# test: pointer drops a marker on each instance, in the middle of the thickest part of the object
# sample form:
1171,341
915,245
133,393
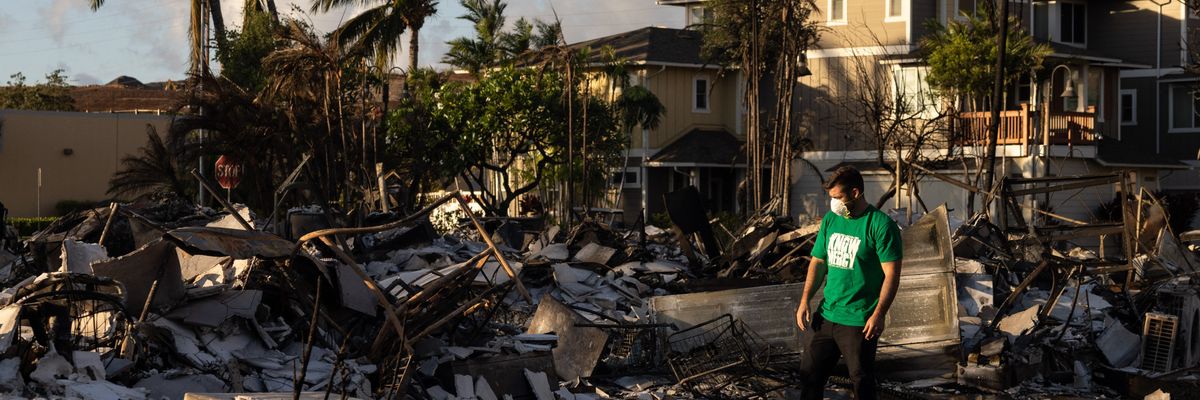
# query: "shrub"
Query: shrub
27,226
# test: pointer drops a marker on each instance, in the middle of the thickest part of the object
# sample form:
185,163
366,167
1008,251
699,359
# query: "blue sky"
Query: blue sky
147,39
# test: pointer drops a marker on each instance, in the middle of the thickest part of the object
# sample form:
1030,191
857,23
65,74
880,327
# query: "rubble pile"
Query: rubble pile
171,300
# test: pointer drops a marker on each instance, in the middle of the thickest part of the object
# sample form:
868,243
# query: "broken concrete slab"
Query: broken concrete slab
213,311
177,386
101,390
595,253
554,252
540,385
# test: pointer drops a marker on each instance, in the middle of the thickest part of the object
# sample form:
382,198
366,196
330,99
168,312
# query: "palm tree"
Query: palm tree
154,171
486,49
378,30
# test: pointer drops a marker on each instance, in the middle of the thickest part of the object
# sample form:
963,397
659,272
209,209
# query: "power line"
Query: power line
74,45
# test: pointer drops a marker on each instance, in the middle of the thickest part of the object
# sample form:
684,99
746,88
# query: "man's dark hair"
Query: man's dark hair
847,177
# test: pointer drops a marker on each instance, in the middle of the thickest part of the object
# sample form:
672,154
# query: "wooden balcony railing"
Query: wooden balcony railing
1020,127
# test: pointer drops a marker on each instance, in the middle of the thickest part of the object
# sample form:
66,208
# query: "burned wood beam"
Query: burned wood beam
1003,308
495,251
228,207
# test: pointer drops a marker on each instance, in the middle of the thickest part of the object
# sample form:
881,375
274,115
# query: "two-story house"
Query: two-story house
699,139
1129,105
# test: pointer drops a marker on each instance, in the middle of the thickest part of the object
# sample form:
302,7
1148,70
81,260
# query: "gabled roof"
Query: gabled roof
701,147
649,45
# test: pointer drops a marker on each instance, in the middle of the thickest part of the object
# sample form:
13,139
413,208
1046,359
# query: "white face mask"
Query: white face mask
839,208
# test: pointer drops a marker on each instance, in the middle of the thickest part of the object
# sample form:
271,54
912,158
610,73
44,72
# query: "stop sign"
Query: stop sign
228,171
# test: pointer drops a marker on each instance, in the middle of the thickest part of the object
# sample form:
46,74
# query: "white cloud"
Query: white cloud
53,16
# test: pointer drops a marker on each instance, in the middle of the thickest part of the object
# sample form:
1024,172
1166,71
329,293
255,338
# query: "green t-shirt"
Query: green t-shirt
853,249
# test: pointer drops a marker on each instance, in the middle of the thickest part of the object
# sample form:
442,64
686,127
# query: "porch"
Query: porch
1024,127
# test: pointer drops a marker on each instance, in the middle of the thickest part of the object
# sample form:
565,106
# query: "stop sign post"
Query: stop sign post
229,173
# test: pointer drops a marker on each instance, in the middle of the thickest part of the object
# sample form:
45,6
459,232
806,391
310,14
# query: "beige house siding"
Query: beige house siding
37,139
825,118
673,86
865,22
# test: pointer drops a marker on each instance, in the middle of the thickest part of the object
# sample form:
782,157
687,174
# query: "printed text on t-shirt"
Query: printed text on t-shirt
842,249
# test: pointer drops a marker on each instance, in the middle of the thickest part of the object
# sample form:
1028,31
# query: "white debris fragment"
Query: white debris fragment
77,257
483,390
464,387
540,384
554,252
1120,346
89,365
1018,324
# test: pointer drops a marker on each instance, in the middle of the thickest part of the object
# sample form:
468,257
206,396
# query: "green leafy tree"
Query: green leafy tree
52,95
241,57
962,56
506,132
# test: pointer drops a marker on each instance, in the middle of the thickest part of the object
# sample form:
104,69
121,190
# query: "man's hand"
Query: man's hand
874,327
803,319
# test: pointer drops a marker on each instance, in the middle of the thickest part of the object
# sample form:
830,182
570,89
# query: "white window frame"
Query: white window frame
1056,23
829,20
956,12
924,93
1171,113
1133,107
637,177
691,11
707,94
887,11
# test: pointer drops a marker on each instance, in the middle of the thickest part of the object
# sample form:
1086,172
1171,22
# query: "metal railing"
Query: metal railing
1021,127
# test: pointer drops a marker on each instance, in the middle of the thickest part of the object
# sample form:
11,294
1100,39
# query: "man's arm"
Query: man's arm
891,281
816,275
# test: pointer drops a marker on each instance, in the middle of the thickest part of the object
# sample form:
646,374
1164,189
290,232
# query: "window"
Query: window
1041,20
1183,109
1072,23
912,94
630,176
1128,107
962,8
1095,91
700,93
895,10
698,15
837,12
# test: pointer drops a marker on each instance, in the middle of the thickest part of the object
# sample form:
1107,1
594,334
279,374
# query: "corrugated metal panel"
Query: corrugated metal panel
768,310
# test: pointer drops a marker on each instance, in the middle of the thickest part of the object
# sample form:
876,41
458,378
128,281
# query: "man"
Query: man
857,255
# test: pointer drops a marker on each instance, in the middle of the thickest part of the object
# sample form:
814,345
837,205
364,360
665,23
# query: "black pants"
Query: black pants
829,340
